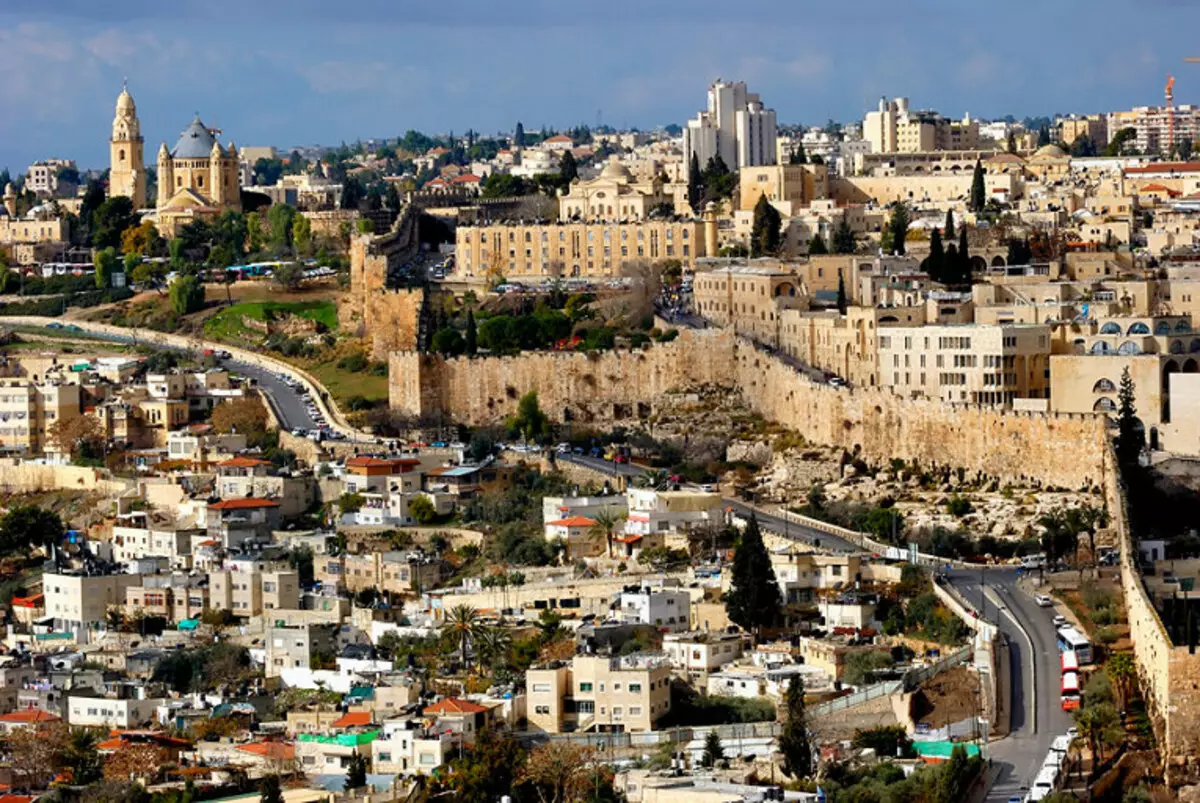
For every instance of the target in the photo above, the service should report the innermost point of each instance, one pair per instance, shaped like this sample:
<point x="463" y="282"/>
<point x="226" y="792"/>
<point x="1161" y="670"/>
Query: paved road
<point x="289" y="403"/>
<point x="1037" y="716"/>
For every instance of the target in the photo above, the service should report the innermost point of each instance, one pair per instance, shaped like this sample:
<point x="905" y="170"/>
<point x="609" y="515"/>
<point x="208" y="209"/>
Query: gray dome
<point x="196" y="142"/>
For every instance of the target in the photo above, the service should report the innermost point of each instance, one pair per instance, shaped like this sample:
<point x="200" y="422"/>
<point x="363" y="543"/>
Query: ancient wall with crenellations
<point x="369" y="308"/>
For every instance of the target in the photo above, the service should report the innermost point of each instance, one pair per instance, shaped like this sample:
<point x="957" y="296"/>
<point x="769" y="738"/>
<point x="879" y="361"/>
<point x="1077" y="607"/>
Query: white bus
<point x="1070" y="639"/>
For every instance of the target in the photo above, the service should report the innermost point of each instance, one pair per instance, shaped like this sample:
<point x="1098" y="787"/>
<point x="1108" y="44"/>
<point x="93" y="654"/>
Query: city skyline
<point x="287" y="76"/>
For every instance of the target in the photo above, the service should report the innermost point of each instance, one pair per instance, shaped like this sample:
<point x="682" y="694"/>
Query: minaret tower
<point x="128" y="174"/>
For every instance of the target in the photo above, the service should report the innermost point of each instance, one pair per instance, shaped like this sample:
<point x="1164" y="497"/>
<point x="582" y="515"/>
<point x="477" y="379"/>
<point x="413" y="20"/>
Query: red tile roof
<point x="353" y="719"/>
<point x="402" y="463"/>
<point x="285" y="751"/>
<point x="1159" y="188"/>
<point x="453" y="705"/>
<point x="16" y="799"/>
<point x="242" y="504"/>
<point x="30" y="716"/>
<point x="34" y="601"/>
<point x="243" y="462"/>
<point x="467" y="178"/>
<point x="573" y="521"/>
<point x="560" y="138"/>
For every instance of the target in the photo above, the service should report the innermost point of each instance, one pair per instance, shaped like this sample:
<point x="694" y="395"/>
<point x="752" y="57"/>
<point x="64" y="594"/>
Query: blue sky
<point x="312" y="71"/>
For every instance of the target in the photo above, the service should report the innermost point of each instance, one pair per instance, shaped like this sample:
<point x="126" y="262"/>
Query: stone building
<point x="597" y="249"/>
<point x="613" y="195"/>
<point x="197" y="179"/>
<point x="127" y="173"/>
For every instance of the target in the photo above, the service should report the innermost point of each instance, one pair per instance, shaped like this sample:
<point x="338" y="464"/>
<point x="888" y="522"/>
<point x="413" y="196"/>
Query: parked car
<point x="1044" y="601"/>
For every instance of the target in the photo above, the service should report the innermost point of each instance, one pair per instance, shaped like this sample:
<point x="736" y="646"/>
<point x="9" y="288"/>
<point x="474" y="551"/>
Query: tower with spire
<point x="128" y="166"/>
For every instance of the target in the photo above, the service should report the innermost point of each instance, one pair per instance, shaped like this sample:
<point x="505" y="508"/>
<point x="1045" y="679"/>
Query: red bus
<point x="1070" y="662"/>
<point x="1070" y="691"/>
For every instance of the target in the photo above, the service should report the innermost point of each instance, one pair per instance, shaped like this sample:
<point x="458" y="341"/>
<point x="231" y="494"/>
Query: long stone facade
<point x="389" y="317"/>
<point x="1057" y="450"/>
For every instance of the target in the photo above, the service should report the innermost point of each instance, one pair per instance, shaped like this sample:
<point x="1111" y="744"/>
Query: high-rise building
<point x="128" y="166"/>
<point x="1153" y="125"/>
<point x="895" y="128"/>
<point x="736" y="126"/>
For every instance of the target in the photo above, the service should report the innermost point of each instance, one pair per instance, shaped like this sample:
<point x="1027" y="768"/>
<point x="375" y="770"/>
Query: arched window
<point x="121" y="155"/>
<point x="1176" y="347"/>
<point x="1139" y="328"/>
<point x="1104" y="405"/>
<point x="1183" y="326"/>
<point x="1162" y="328"/>
<point x="1110" y="328"/>
<point x="1194" y="347"/>
<point x="1104" y="386"/>
<point x="1129" y="347"/>
<point x="1100" y="347"/>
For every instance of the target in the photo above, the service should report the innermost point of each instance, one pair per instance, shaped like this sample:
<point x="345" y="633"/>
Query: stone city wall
<point x="21" y="477"/>
<point x="1170" y="675"/>
<point x="620" y="386"/>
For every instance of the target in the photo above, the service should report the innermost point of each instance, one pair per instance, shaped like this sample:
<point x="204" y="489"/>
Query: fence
<point x="919" y="674"/>
<point x="619" y="741"/>
<point x="857" y="698"/>
<point x="868" y="544"/>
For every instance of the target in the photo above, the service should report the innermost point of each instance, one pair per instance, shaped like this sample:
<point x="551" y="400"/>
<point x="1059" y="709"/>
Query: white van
<point x="1044" y="784"/>
<point x="1033" y="561"/>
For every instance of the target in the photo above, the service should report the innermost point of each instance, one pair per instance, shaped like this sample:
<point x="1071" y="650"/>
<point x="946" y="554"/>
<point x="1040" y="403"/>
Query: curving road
<point x="1037" y="715"/>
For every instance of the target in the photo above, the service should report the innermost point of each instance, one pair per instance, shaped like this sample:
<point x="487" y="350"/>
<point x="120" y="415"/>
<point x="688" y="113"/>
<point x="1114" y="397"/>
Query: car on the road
<point x="54" y="325"/>
<point x="708" y="487"/>
<point x="1060" y="620"/>
<point x="1044" y="601"/>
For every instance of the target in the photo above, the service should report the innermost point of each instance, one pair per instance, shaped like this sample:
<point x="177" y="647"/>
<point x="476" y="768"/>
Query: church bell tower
<point x="128" y="166"/>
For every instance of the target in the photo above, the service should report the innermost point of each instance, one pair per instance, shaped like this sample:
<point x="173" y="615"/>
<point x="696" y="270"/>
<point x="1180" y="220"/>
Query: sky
<point x="296" y="72"/>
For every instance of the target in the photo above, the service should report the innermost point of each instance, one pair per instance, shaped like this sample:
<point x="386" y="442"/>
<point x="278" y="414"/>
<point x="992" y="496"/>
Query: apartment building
<point x="79" y="603"/>
<point x="697" y="654"/>
<point x="107" y="712"/>
<point x="599" y="693"/>
<point x="654" y="515"/>
<point x="1093" y="126"/>
<point x="242" y="477"/>
<point x="408" y="748"/>
<point x="29" y="409"/>
<point x="175" y="596"/>
<point x="970" y="364"/>
<point x="292" y="646"/>
<point x="895" y="128"/>
<point x="800" y="574"/>
<point x="393" y="572"/>
<point x="249" y="586"/>
<point x="787" y="186"/>
<point x="668" y="609"/>
<point x="140" y="534"/>
<point x="578" y="249"/>
<point x="735" y="127"/>
<point x="749" y="298"/>
<point x="234" y="522"/>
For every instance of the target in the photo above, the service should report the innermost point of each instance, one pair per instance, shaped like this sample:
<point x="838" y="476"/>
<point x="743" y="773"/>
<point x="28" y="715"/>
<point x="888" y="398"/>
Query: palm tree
<point x="462" y="622"/>
<point x="606" y="519"/>
<point x="1122" y="671"/>
<point x="491" y="643"/>
<point x="82" y="756"/>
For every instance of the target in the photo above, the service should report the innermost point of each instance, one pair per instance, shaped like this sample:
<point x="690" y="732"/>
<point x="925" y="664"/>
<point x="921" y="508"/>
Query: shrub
<point x="959" y="506"/>
<point x="353" y="363"/>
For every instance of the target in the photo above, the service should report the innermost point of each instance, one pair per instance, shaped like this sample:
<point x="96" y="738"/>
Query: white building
<point x="104" y="712"/>
<point x="701" y="653"/>
<point x="666" y="609"/>
<point x="736" y="126"/>
<point x="407" y="748"/>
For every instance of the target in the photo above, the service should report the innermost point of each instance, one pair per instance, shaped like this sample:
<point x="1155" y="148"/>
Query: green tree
<point x="281" y="219"/>
<point x="130" y="265"/>
<point x="957" y="775"/>
<point x="765" y="235"/>
<point x="695" y="188"/>
<point x="1131" y="435"/>
<point x="1117" y="145"/>
<point x="1122" y="670"/>
<point x="519" y="135"/>
<point x="714" y="753"/>
<point x="422" y="510"/>
<point x="254" y="233"/>
<point x="567" y="168"/>
<point x="1012" y="142"/>
<point x="352" y="194"/>
<point x="270" y="790"/>
<point x="448" y="341"/>
<point x="106" y="266"/>
<point x="111" y="219"/>
<point x="935" y="263"/>
<point x="356" y="771"/>
<point x="290" y="275"/>
<point x="187" y="295"/>
<point x="462" y="624"/>
<point x="1083" y="146"/>
<point x="529" y="422"/>
<point x="82" y="757"/>
<point x="798" y="156"/>
<point x="841" y="293"/>
<point x="1043" y="136"/>
<point x="471" y="342"/>
<point x="843" y="239"/>
<point x="962" y="272"/>
<point x="948" y="228"/>
<point x="897" y="227"/>
<point x="794" y="743"/>
<point x="26" y="526"/>
<point x="753" y="600"/>
<point x="487" y="769"/>
<point x="978" y="189"/>
<point x="816" y="246"/>
<point x="302" y="235"/>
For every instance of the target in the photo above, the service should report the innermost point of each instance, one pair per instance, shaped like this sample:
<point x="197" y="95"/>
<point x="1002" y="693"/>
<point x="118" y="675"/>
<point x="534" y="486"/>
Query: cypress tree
<point x="816" y="246"/>
<point x="978" y="189"/>
<point x="898" y="227"/>
<point x="948" y="232"/>
<point x="695" y="183"/>
<point x="841" y="297"/>
<point x="964" y="258"/>
<point x="753" y="600"/>
<point x="519" y="135"/>
<point x="936" y="264"/>
<point x="798" y="156"/>
<point x="843" y="239"/>
<point x="793" y="740"/>
<point x="1012" y="142"/>
<point x="472" y="337"/>
<point x="1130" y="436"/>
